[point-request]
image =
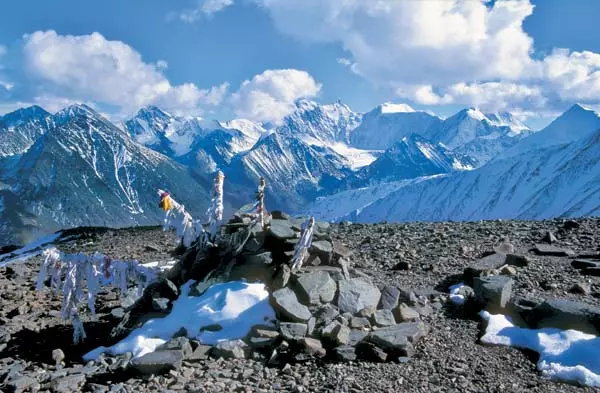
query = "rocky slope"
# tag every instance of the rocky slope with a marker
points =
(424, 257)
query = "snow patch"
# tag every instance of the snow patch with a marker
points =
(389, 107)
(566, 355)
(30, 250)
(236, 306)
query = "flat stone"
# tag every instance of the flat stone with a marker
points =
(182, 344)
(313, 347)
(316, 287)
(356, 294)
(336, 273)
(389, 298)
(493, 293)
(357, 336)
(322, 248)
(341, 251)
(360, 323)
(483, 267)
(383, 318)
(157, 362)
(398, 340)
(282, 277)
(281, 229)
(287, 304)
(70, 383)
(345, 353)
(552, 251)
(404, 313)
(293, 331)
(584, 263)
(517, 260)
(504, 248)
(21, 383)
(566, 314)
(234, 349)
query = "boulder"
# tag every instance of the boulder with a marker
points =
(552, 251)
(322, 248)
(404, 313)
(313, 347)
(345, 353)
(69, 383)
(398, 340)
(389, 298)
(336, 333)
(356, 294)
(493, 293)
(182, 344)
(287, 305)
(234, 349)
(281, 229)
(157, 362)
(293, 331)
(383, 318)
(566, 314)
(341, 251)
(504, 248)
(360, 323)
(316, 287)
(585, 263)
(591, 271)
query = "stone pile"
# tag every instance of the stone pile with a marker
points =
(325, 310)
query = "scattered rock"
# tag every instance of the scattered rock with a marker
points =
(552, 251)
(157, 362)
(398, 340)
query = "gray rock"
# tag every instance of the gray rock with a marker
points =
(383, 318)
(182, 344)
(566, 314)
(157, 362)
(234, 349)
(23, 383)
(357, 336)
(360, 323)
(327, 313)
(345, 353)
(548, 250)
(281, 229)
(549, 238)
(117, 312)
(282, 277)
(200, 352)
(322, 248)
(404, 313)
(504, 248)
(316, 287)
(341, 251)
(293, 331)
(390, 297)
(398, 340)
(286, 303)
(70, 383)
(337, 333)
(493, 293)
(484, 267)
(517, 260)
(160, 304)
(581, 288)
(58, 356)
(584, 263)
(356, 294)
(313, 347)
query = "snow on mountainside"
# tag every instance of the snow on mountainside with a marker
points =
(469, 132)
(160, 131)
(295, 171)
(86, 171)
(412, 157)
(555, 181)
(574, 124)
(20, 129)
(388, 124)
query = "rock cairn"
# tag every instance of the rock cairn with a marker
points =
(325, 309)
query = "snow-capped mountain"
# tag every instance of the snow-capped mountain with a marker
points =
(559, 180)
(20, 129)
(387, 124)
(167, 134)
(295, 171)
(86, 171)
(481, 137)
(412, 157)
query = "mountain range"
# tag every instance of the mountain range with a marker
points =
(75, 167)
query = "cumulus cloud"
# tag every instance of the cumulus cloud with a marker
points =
(270, 96)
(204, 8)
(90, 67)
(444, 51)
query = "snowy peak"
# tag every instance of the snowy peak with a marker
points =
(506, 119)
(389, 107)
(248, 128)
(65, 115)
(23, 115)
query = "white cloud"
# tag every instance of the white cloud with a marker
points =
(271, 96)
(89, 67)
(441, 51)
(343, 61)
(204, 8)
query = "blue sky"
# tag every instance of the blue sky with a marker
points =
(252, 58)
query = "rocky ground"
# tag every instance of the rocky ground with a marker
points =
(420, 256)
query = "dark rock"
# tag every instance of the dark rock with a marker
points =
(566, 314)
(584, 263)
(234, 349)
(293, 331)
(287, 305)
(157, 362)
(281, 229)
(484, 267)
(389, 298)
(162, 288)
(316, 287)
(402, 265)
(356, 294)
(493, 293)
(345, 353)
(517, 260)
(313, 347)
(570, 224)
(552, 251)
(398, 340)
(70, 383)
(371, 352)
(383, 318)
(581, 288)
(591, 271)
(404, 313)
(279, 215)
(182, 344)
(263, 258)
